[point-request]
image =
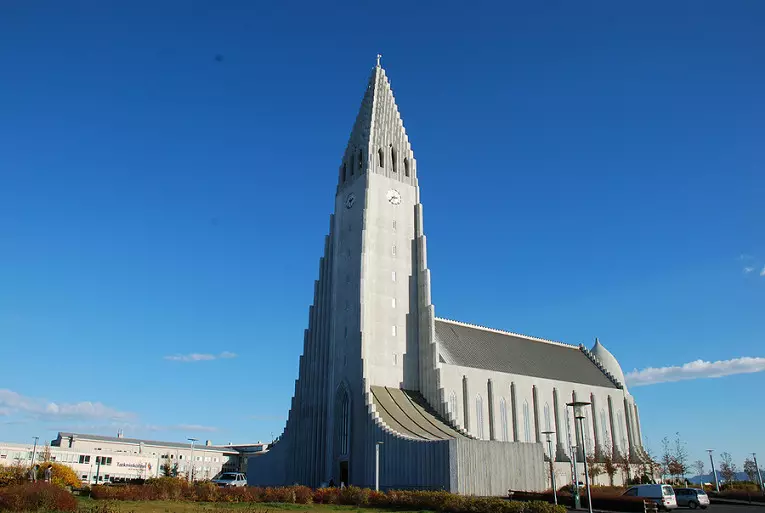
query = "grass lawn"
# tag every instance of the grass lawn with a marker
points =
(217, 507)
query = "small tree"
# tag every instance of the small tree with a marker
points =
(698, 467)
(593, 468)
(680, 456)
(667, 459)
(727, 467)
(609, 467)
(45, 455)
(167, 469)
(623, 464)
(750, 469)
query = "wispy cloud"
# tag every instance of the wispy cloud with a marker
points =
(762, 273)
(200, 357)
(14, 403)
(748, 269)
(695, 370)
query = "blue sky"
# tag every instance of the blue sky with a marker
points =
(587, 169)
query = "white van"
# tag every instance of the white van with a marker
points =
(662, 494)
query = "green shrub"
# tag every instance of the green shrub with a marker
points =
(12, 475)
(36, 496)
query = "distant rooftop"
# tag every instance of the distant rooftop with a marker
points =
(137, 441)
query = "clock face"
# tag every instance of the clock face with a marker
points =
(350, 200)
(393, 196)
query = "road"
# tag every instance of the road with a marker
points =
(728, 508)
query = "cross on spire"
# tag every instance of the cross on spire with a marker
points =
(379, 56)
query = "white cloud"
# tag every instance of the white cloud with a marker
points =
(14, 403)
(695, 370)
(748, 269)
(200, 357)
(189, 428)
(762, 273)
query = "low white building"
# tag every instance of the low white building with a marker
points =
(102, 459)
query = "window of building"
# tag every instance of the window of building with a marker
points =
(395, 358)
(393, 159)
(344, 421)
(503, 419)
(406, 167)
(358, 160)
(453, 404)
(84, 458)
(393, 302)
(393, 275)
(547, 417)
(526, 422)
(393, 250)
(479, 416)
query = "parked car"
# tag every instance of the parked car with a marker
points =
(662, 494)
(692, 497)
(227, 479)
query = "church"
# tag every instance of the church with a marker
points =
(449, 405)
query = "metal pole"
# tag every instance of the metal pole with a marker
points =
(377, 466)
(98, 467)
(191, 470)
(714, 472)
(552, 471)
(584, 455)
(577, 500)
(759, 474)
(34, 451)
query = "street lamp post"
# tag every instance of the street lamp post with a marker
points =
(577, 405)
(34, 451)
(377, 466)
(577, 500)
(714, 472)
(759, 474)
(552, 459)
(191, 470)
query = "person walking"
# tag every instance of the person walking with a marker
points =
(49, 474)
(33, 474)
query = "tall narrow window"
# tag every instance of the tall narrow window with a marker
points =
(479, 416)
(358, 161)
(343, 420)
(503, 419)
(380, 158)
(393, 250)
(453, 404)
(406, 167)
(351, 166)
(393, 160)
(604, 428)
(547, 417)
(622, 435)
(526, 422)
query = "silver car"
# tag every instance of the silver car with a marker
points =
(228, 479)
(692, 497)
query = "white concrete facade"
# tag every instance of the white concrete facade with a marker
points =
(373, 370)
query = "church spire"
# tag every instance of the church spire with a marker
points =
(378, 141)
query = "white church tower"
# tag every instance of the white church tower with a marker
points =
(378, 366)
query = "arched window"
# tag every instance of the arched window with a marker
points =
(380, 158)
(406, 167)
(479, 416)
(343, 416)
(526, 422)
(453, 404)
(547, 417)
(503, 419)
(393, 159)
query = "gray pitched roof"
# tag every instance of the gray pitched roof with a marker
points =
(481, 348)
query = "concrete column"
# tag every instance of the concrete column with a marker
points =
(596, 429)
(490, 394)
(466, 403)
(628, 420)
(514, 408)
(637, 425)
(535, 400)
(614, 442)
(560, 448)
(578, 435)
